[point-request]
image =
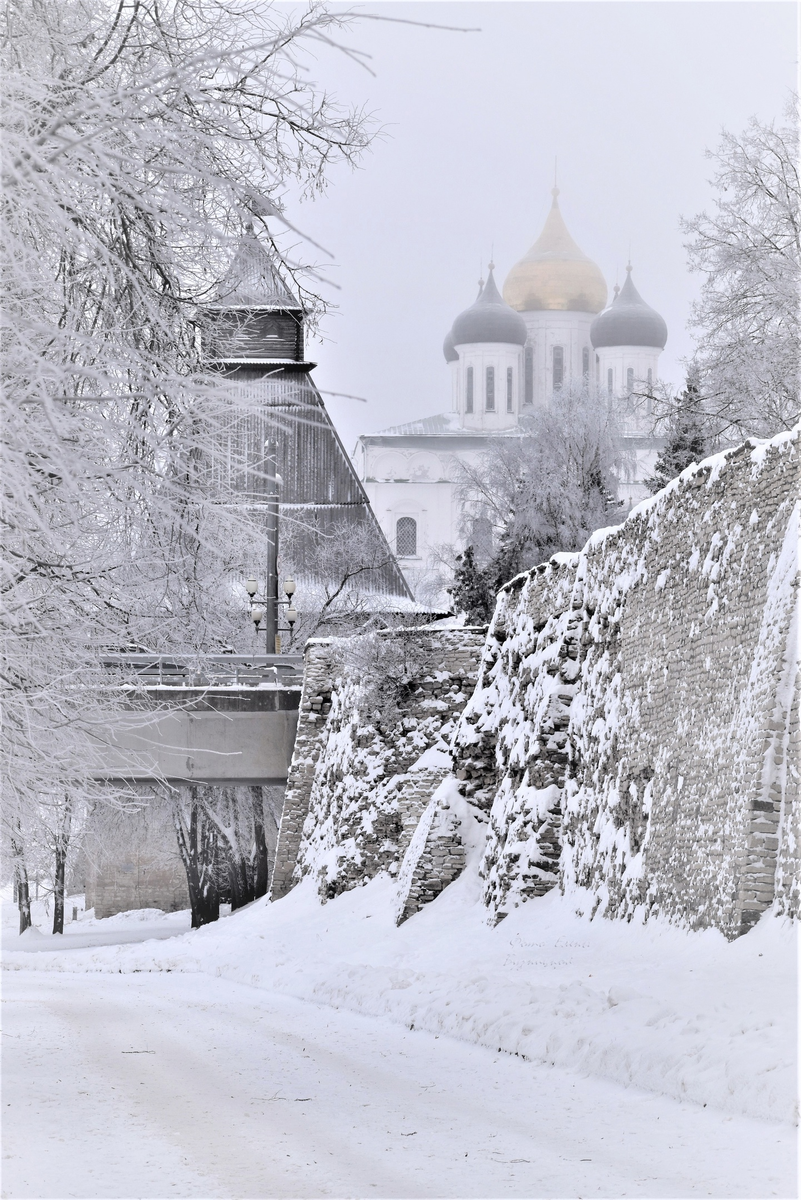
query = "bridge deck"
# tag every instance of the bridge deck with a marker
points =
(224, 719)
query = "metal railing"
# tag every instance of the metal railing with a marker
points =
(208, 670)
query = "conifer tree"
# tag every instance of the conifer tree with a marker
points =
(686, 442)
(473, 588)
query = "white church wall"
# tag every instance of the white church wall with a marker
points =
(501, 358)
(453, 368)
(622, 359)
(421, 484)
(568, 330)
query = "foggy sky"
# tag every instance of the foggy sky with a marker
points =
(626, 95)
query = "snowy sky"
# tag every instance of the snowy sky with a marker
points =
(627, 95)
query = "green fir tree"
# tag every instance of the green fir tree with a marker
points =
(686, 442)
(473, 589)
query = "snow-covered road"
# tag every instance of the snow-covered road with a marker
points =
(166, 1084)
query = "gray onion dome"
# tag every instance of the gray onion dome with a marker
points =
(490, 319)
(628, 321)
(448, 349)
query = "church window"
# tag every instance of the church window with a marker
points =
(509, 377)
(558, 366)
(469, 401)
(630, 380)
(490, 389)
(650, 384)
(610, 381)
(528, 395)
(585, 363)
(406, 537)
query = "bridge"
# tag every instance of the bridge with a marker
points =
(218, 719)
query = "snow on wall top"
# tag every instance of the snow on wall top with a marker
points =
(636, 699)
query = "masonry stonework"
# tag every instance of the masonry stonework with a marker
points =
(375, 717)
(632, 733)
(635, 705)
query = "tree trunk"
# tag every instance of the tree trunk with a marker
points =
(23, 895)
(198, 847)
(21, 886)
(238, 878)
(60, 874)
(261, 854)
(235, 830)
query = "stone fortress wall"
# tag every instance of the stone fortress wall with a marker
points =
(376, 715)
(632, 736)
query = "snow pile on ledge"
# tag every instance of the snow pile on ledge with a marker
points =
(687, 1015)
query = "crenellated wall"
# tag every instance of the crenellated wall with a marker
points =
(631, 735)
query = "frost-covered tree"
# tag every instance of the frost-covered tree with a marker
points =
(138, 139)
(748, 248)
(544, 491)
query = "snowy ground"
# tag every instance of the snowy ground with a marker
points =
(551, 1056)
(137, 926)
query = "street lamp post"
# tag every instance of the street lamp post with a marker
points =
(260, 607)
(271, 565)
(264, 610)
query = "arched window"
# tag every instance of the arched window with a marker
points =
(558, 366)
(406, 537)
(585, 362)
(509, 382)
(630, 380)
(610, 381)
(490, 389)
(528, 395)
(649, 387)
(469, 397)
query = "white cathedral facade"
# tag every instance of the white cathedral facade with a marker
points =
(507, 355)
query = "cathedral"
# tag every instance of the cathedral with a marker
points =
(507, 354)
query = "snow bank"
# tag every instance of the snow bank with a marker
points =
(687, 1015)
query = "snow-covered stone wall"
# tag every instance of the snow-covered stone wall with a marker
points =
(635, 704)
(631, 733)
(376, 716)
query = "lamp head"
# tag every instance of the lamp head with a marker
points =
(251, 587)
(289, 586)
(257, 615)
(291, 615)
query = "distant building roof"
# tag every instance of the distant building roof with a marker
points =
(252, 280)
(442, 425)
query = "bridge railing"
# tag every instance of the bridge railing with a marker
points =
(208, 670)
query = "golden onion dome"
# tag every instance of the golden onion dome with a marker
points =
(555, 275)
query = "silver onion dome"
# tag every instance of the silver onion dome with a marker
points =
(489, 319)
(628, 321)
